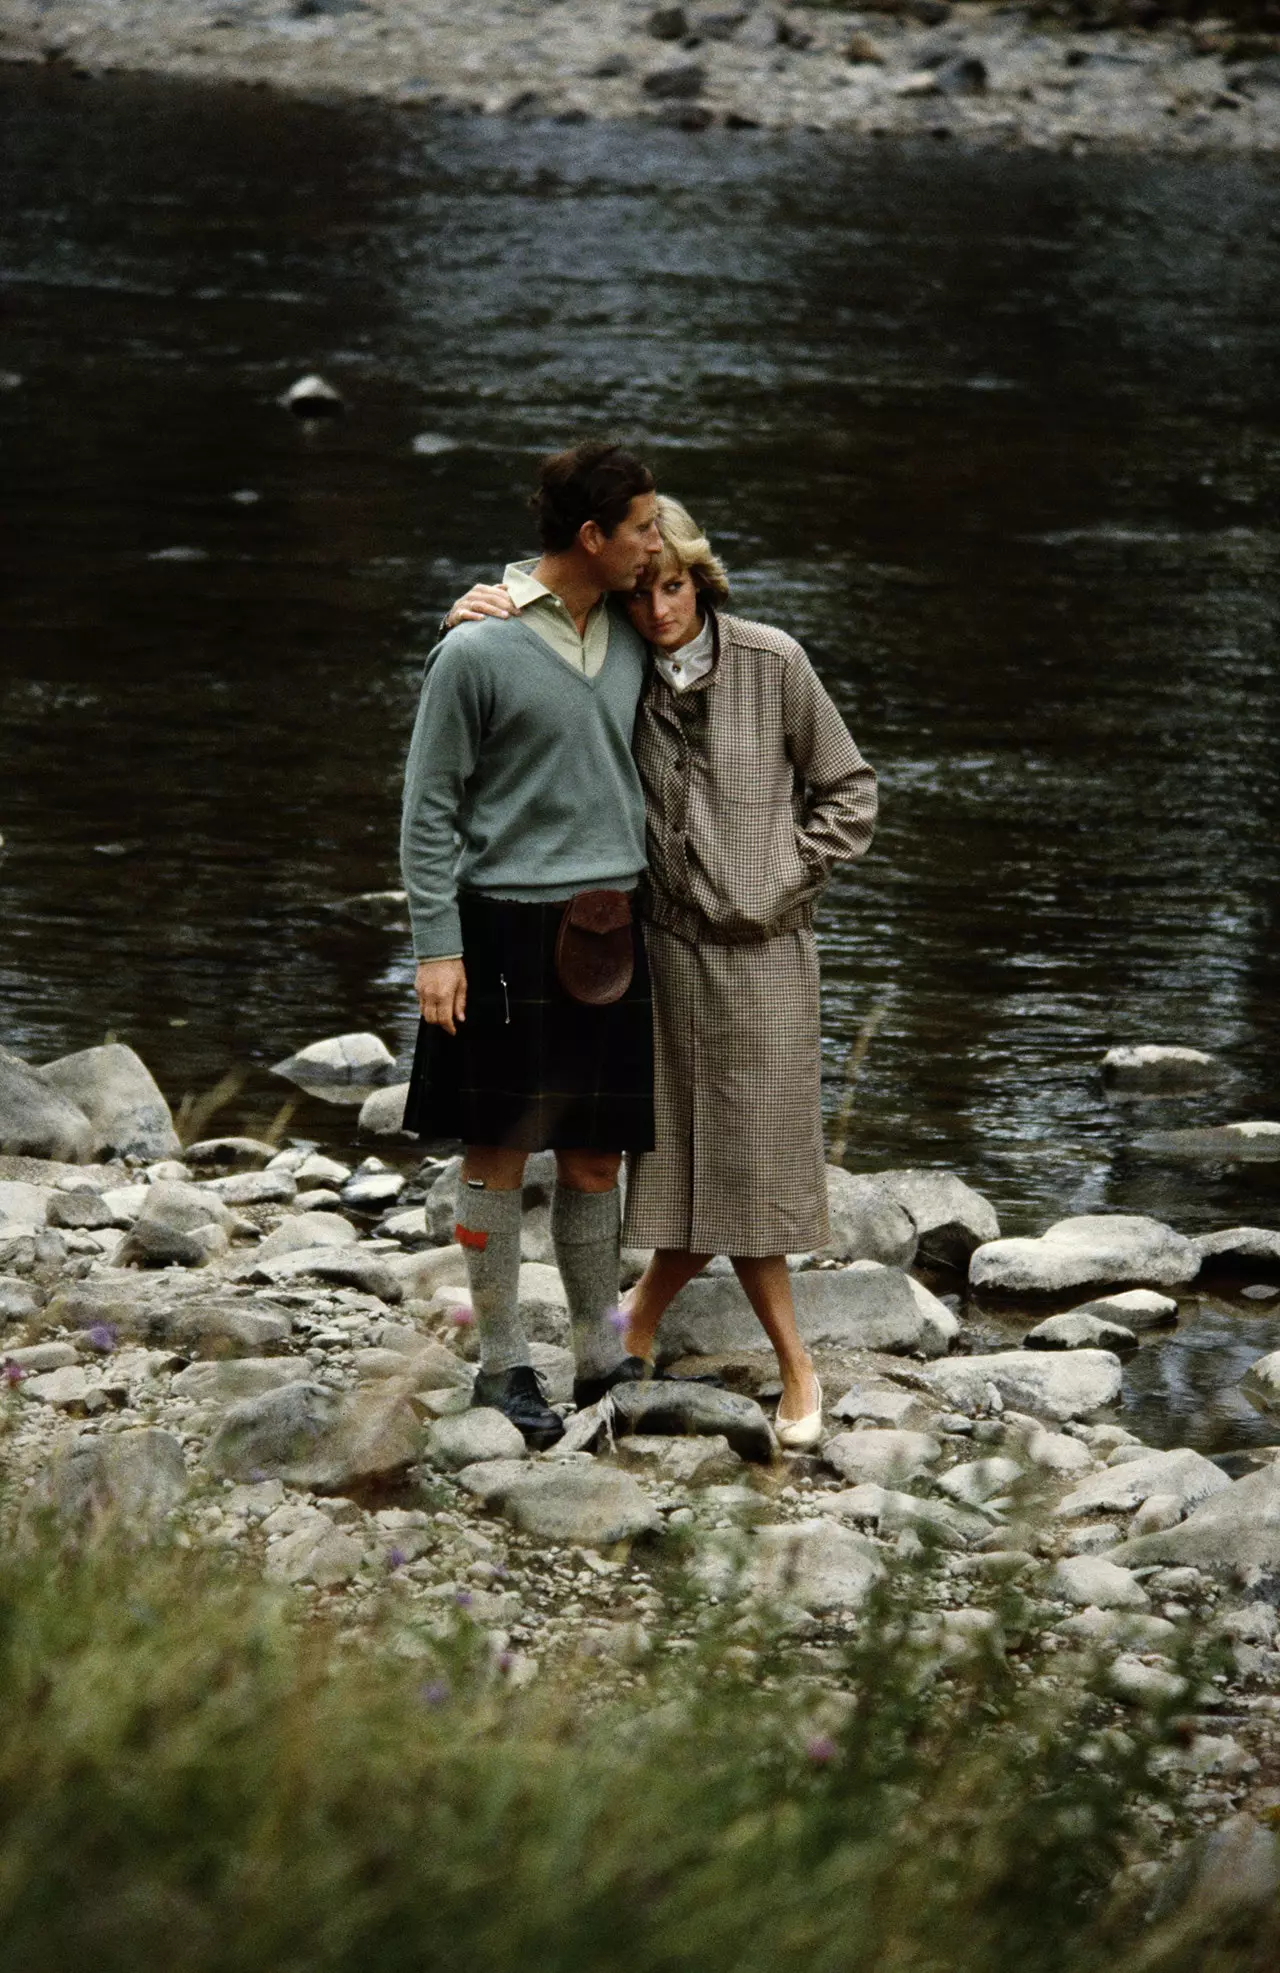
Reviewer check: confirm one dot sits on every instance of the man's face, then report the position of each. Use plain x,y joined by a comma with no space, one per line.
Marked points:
622,557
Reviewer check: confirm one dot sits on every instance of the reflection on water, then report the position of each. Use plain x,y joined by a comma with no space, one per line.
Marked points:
994,435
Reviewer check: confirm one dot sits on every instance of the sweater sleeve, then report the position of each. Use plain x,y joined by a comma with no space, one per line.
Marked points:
442,757
840,789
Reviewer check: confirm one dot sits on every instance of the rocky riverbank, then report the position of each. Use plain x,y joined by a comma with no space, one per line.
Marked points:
982,74
268,1352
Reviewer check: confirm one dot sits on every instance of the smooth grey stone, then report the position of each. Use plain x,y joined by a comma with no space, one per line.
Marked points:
1238,1248
473,1436
1185,1475
818,1565
303,1232
1261,1382
339,1065
85,1209
310,1436
887,1458
867,1222
254,1188
36,1119
1136,1309
566,1501
117,1092
1091,1249
1150,1066
950,1218
683,1407
17,1302
229,1151
1236,1532
1078,1330
134,1478
1045,1383
382,1113
865,1306
237,1377
1098,1581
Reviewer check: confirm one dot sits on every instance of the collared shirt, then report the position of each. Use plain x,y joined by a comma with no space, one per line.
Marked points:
544,612
684,667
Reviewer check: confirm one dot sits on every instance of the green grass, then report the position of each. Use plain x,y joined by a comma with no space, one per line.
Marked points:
198,1775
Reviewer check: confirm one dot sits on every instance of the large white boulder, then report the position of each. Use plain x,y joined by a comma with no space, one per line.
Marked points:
343,1068
1183,1475
867,1222
117,1092
951,1219
1093,1250
36,1119
1158,1068
1237,1531
1046,1384
863,1307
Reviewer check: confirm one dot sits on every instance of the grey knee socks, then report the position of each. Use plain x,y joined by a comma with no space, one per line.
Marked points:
489,1230
586,1232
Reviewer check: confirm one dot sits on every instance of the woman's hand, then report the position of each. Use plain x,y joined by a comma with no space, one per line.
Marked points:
483,599
442,992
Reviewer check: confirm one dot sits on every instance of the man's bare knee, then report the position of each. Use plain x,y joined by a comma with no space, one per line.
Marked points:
494,1167
588,1171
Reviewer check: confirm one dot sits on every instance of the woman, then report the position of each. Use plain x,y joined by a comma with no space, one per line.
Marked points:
755,790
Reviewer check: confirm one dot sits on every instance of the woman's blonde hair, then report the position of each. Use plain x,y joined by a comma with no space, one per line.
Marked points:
684,543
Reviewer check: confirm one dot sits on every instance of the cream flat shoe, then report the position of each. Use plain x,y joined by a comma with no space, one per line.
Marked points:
801,1434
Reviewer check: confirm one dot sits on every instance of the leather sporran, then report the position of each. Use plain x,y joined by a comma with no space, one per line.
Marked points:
595,947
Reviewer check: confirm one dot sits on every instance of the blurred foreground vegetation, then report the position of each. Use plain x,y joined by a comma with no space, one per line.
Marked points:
200,1775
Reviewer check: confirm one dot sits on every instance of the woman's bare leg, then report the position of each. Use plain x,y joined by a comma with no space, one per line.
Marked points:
767,1286
653,1293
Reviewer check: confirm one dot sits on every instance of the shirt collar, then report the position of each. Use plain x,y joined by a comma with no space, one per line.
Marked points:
524,588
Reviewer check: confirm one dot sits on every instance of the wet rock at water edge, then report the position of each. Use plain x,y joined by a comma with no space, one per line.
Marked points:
682,1406
1255,1142
1153,1068
217,1152
1261,1383
950,1218
116,1091
36,1119
1136,1309
1045,1383
1094,1249
382,1113
867,1221
1078,1330
1239,1249
133,1478
341,1069
313,400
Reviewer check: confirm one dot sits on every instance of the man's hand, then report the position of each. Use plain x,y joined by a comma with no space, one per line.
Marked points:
483,599
442,992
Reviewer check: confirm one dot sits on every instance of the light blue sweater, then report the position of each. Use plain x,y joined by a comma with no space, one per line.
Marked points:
520,781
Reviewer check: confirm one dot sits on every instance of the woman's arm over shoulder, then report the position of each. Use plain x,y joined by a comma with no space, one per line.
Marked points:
840,786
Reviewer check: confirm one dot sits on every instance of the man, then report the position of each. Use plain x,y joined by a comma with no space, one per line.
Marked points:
520,793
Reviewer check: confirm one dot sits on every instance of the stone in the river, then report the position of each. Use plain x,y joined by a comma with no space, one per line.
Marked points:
233,1378
682,1406
1093,1579
409,1226
343,1067
1045,1383
1255,1142
865,1307
310,1436
1152,1066
17,1303
300,1233
366,1191
480,1434
887,1458
312,399
216,1151
179,1225
1238,1248
1261,1382
951,1219
1134,1308
940,1325
36,1119
134,1478
1078,1330
382,1113
1237,1530
1094,1249
565,1500
116,1091
1185,1474
867,1222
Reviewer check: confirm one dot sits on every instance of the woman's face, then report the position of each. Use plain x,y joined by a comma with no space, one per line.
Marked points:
665,608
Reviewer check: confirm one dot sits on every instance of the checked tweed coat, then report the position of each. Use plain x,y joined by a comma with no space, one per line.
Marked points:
755,791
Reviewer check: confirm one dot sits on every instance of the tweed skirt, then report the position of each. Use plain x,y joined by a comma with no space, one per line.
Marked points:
530,1069
740,1165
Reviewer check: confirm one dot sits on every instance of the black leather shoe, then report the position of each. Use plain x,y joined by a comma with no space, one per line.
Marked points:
518,1395
590,1390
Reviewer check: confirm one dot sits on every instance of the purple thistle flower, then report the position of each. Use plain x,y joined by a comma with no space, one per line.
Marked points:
618,1319
13,1374
821,1748
463,1599
102,1337
435,1692
504,1661
396,1558
461,1317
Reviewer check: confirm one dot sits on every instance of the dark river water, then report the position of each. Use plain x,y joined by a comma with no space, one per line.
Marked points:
998,437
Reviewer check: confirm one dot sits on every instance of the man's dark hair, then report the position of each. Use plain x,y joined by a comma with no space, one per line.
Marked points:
595,480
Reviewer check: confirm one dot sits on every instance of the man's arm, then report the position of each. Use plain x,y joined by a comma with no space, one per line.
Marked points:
840,810
442,757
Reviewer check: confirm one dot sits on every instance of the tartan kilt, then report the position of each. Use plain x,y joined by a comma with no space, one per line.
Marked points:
531,1069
